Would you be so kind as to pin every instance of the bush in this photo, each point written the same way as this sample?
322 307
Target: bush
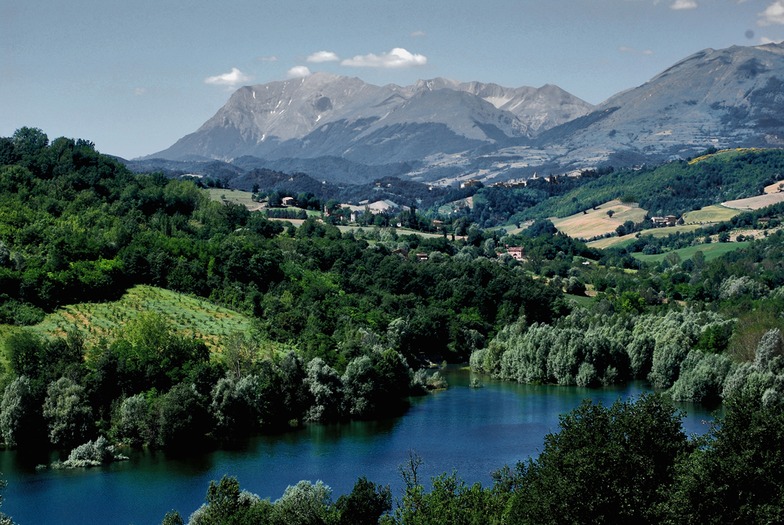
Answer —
91 454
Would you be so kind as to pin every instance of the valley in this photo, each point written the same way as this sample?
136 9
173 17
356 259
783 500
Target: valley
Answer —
327 262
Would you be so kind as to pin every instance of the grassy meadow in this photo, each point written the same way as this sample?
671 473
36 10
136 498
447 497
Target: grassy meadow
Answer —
710 251
235 196
710 214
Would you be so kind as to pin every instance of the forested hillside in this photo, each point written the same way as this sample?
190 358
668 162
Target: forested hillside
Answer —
672 188
350 319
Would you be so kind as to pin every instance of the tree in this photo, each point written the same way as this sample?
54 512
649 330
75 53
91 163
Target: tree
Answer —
226 504
737 474
305 503
376 384
67 412
605 465
182 419
25 351
132 424
327 390
235 405
294 391
366 503
29 142
7 153
20 417
172 518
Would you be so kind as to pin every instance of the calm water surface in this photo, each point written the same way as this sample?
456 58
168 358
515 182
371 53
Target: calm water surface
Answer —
472 431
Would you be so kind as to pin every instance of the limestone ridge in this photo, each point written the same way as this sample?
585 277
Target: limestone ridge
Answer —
443 129
329 115
721 98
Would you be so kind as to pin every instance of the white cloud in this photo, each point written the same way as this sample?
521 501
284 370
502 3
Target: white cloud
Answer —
233 78
766 40
139 91
418 34
773 15
323 56
298 72
680 5
627 49
396 58
268 58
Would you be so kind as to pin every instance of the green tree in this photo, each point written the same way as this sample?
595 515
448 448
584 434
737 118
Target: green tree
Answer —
326 389
25 351
29 142
605 465
235 405
172 518
737 474
20 416
226 504
7 153
305 503
133 421
364 505
67 412
182 419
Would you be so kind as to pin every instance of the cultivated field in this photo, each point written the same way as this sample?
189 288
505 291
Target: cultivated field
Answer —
596 222
709 214
187 315
755 203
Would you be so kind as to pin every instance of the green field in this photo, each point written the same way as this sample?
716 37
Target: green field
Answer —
235 196
581 300
399 231
710 251
715 213
187 315
613 242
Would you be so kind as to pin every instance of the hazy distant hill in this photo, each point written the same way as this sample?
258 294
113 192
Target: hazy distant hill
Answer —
345 130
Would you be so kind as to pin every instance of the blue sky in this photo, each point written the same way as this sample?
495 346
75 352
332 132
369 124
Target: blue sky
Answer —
134 76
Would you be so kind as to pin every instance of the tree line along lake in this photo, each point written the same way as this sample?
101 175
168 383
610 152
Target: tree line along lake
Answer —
470 431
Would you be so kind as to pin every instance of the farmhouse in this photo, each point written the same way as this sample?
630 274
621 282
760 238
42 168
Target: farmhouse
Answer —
667 220
470 183
516 252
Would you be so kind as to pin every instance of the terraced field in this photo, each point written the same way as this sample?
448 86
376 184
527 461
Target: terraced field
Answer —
187 315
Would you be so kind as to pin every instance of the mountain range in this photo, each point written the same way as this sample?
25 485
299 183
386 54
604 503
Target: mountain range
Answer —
345 130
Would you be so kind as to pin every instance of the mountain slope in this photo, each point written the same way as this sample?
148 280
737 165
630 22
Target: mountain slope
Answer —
722 98
329 115
444 130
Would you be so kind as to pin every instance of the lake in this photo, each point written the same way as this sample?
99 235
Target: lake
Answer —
471 431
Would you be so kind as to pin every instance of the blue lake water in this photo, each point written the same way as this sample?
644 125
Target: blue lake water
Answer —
471 431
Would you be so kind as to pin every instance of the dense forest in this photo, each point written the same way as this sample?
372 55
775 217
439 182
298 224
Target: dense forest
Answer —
348 324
